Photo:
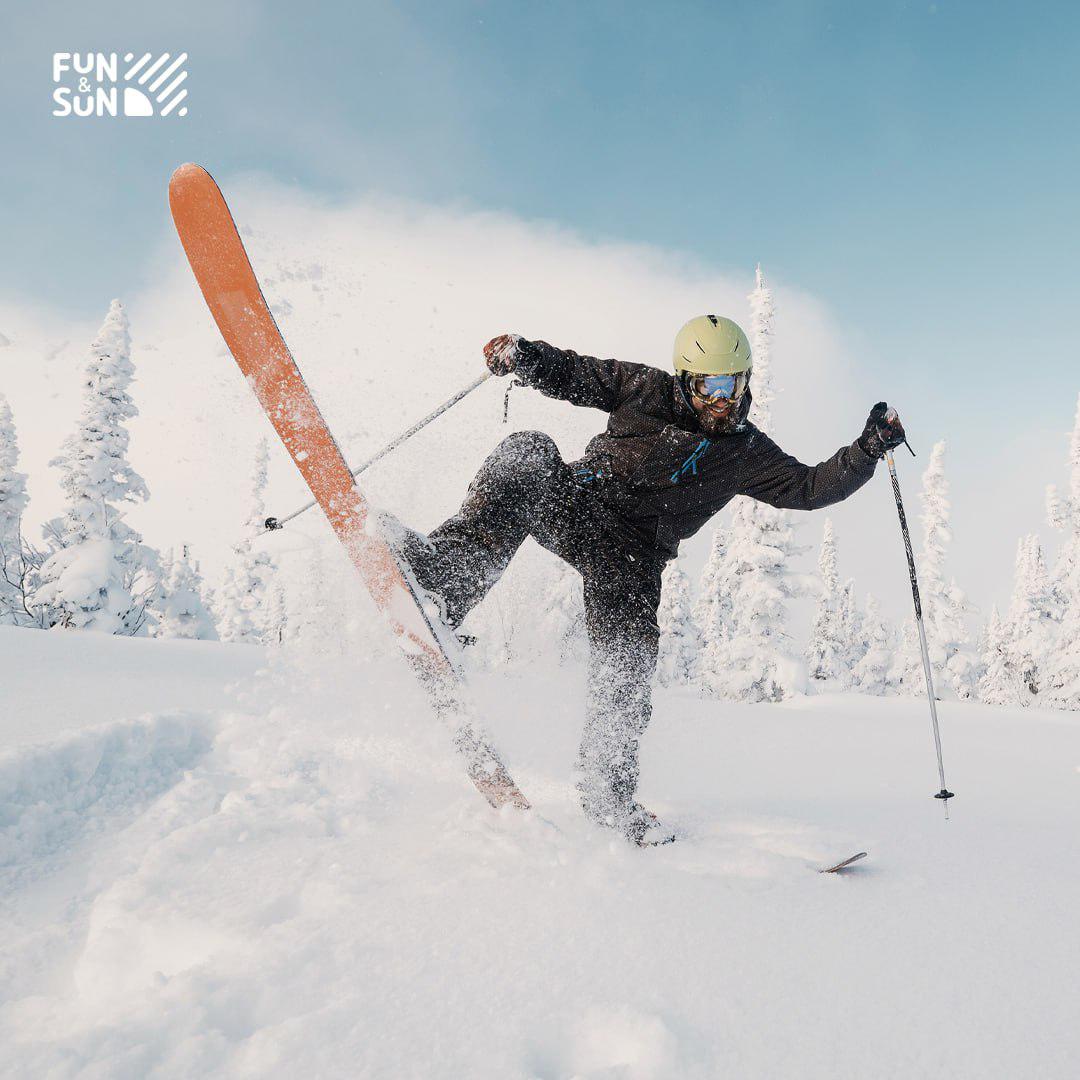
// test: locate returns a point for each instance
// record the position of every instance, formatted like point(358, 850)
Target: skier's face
point(716, 417)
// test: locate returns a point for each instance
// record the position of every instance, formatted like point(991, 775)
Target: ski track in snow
point(302, 881)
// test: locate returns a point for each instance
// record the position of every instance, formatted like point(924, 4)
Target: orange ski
point(232, 293)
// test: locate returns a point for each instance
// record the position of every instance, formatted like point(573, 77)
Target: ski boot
point(640, 826)
point(415, 552)
point(644, 828)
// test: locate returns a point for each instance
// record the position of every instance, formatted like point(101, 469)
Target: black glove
point(883, 431)
point(501, 353)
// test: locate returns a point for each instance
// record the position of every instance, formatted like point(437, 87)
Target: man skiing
point(677, 448)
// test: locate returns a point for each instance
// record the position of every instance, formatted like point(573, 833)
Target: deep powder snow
point(295, 877)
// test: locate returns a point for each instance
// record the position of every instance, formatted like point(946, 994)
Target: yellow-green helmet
point(712, 345)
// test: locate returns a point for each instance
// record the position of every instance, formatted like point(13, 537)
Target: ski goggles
point(716, 388)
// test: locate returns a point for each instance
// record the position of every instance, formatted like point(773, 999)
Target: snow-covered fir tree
point(680, 638)
point(906, 673)
point(827, 652)
point(998, 684)
point(1033, 620)
point(870, 674)
point(305, 622)
point(277, 614)
point(242, 599)
point(316, 617)
point(762, 311)
point(852, 635)
point(98, 575)
point(711, 612)
point(1062, 674)
point(13, 499)
point(952, 658)
point(712, 589)
point(755, 659)
point(183, 612)
point(562, 620)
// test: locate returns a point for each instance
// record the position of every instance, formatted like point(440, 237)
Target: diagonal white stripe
point(172, 104)
point(172, 86)
point(152, 68)
point(138, 64)
point(167, 72)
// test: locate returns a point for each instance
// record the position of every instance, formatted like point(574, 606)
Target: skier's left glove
point(883, 431)
point(502, 352)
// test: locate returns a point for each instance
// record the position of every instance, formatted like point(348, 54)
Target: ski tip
point(186, 174)
point(843, 864)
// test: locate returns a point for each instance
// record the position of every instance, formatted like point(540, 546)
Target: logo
point(91, 84)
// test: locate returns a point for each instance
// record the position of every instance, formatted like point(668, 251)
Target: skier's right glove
point(501, 353)
point(883, 431)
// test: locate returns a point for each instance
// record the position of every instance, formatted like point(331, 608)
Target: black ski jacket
point(656, 469)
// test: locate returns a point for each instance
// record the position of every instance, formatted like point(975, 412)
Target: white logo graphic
point(90, 84)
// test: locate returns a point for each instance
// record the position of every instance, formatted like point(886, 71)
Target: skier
point(676, 450)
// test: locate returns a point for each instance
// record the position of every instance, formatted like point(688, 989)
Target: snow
point(230, 861)
point(61, 681)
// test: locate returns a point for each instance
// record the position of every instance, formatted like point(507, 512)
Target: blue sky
point(914, 165)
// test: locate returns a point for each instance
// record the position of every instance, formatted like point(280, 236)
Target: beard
point(716, 422)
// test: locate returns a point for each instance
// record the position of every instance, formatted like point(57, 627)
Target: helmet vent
point(698, 344)
point(712, 319)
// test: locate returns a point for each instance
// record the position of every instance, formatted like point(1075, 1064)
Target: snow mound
point(54, 795)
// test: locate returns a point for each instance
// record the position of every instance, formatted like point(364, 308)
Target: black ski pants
point(523, 489)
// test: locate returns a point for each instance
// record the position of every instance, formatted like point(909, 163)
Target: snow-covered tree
point(755, 659)
point(998, 684)
point(316, 616)
point(852, 633)
point(562, 619)
point(870, 674)
point(906, 672)
point(1062, 675)
point(761, 335)
point(712, 606)
point(183, 612)
point(952, 658)
point(1032, 624)
point(962, 664)
point(712, 610)
point(827, 652)
point(13, 499)
point(836, 643)
point(98, 575)
point(277, 614)
point(305, 623)
point(680, 638)
point(242, 599)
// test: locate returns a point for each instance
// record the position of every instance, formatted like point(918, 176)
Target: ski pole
point(944, 794)
point(272, 523)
